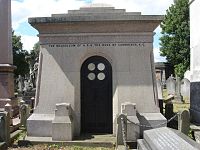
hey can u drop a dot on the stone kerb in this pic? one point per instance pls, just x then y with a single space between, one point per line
62 124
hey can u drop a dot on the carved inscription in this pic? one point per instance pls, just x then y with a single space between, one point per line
98 45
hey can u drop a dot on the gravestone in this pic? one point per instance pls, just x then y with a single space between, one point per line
170 85
90 64
20 84
6 57
169 113
185 89
178 97
159 89
184 121
5 127
166 139
194 62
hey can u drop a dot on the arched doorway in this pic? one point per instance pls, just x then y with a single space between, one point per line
96 95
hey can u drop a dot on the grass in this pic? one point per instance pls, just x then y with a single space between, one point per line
178 106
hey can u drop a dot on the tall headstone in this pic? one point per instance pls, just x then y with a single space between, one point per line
159 89
185 89
170 84
6 56
178 96
195 62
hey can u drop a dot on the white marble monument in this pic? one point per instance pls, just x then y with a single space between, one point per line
195 61
94 59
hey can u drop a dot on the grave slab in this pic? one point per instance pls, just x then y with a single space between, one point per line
165 139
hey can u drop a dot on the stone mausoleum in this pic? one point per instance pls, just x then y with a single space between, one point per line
92 61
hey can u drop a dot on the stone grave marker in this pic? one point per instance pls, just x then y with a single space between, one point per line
184 121
178 96
170 84
185 88
166 139
159 89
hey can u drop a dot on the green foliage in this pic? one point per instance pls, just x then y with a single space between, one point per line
34 55
175 40
19 56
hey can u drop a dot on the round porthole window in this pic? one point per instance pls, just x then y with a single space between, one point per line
101 66
91 66
91 76
101 76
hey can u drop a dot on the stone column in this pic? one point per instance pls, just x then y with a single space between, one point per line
6 56
195 62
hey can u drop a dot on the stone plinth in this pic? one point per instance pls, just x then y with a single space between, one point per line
7 85
62 125
166 139
151 120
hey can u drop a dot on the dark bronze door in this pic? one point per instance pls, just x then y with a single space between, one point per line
96 96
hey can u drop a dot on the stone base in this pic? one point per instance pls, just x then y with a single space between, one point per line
151 120
166 139
62 129
40 125
195 102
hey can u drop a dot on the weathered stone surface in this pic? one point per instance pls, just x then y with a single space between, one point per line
6 57
5 127
159 89
185 88
184 122
151 120
165 139
128 108
62 125
40 125
171 86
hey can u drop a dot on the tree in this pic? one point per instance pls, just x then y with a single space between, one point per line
19 56
175 40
